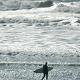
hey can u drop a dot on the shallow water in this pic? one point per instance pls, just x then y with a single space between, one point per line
25 71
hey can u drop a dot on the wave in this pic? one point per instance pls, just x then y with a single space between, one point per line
43 16
30 21
25 4
20 19
72 7
67 7
46 4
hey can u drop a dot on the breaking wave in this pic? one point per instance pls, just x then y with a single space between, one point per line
25 4
68 7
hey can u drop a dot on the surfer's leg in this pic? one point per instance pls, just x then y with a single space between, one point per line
46 76
43 77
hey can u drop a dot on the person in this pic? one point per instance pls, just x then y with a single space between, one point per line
45 71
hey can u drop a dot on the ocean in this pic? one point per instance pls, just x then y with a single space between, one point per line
35 31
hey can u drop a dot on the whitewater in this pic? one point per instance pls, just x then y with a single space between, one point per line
32 33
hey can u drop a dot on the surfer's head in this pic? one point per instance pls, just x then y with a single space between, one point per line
46 63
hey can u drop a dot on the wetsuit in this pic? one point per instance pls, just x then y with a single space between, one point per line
45 71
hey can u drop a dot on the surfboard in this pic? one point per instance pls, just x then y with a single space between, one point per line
40 70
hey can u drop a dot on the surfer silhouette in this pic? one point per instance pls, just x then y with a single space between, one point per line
45 71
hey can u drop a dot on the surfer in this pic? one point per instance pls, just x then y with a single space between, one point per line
45 71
